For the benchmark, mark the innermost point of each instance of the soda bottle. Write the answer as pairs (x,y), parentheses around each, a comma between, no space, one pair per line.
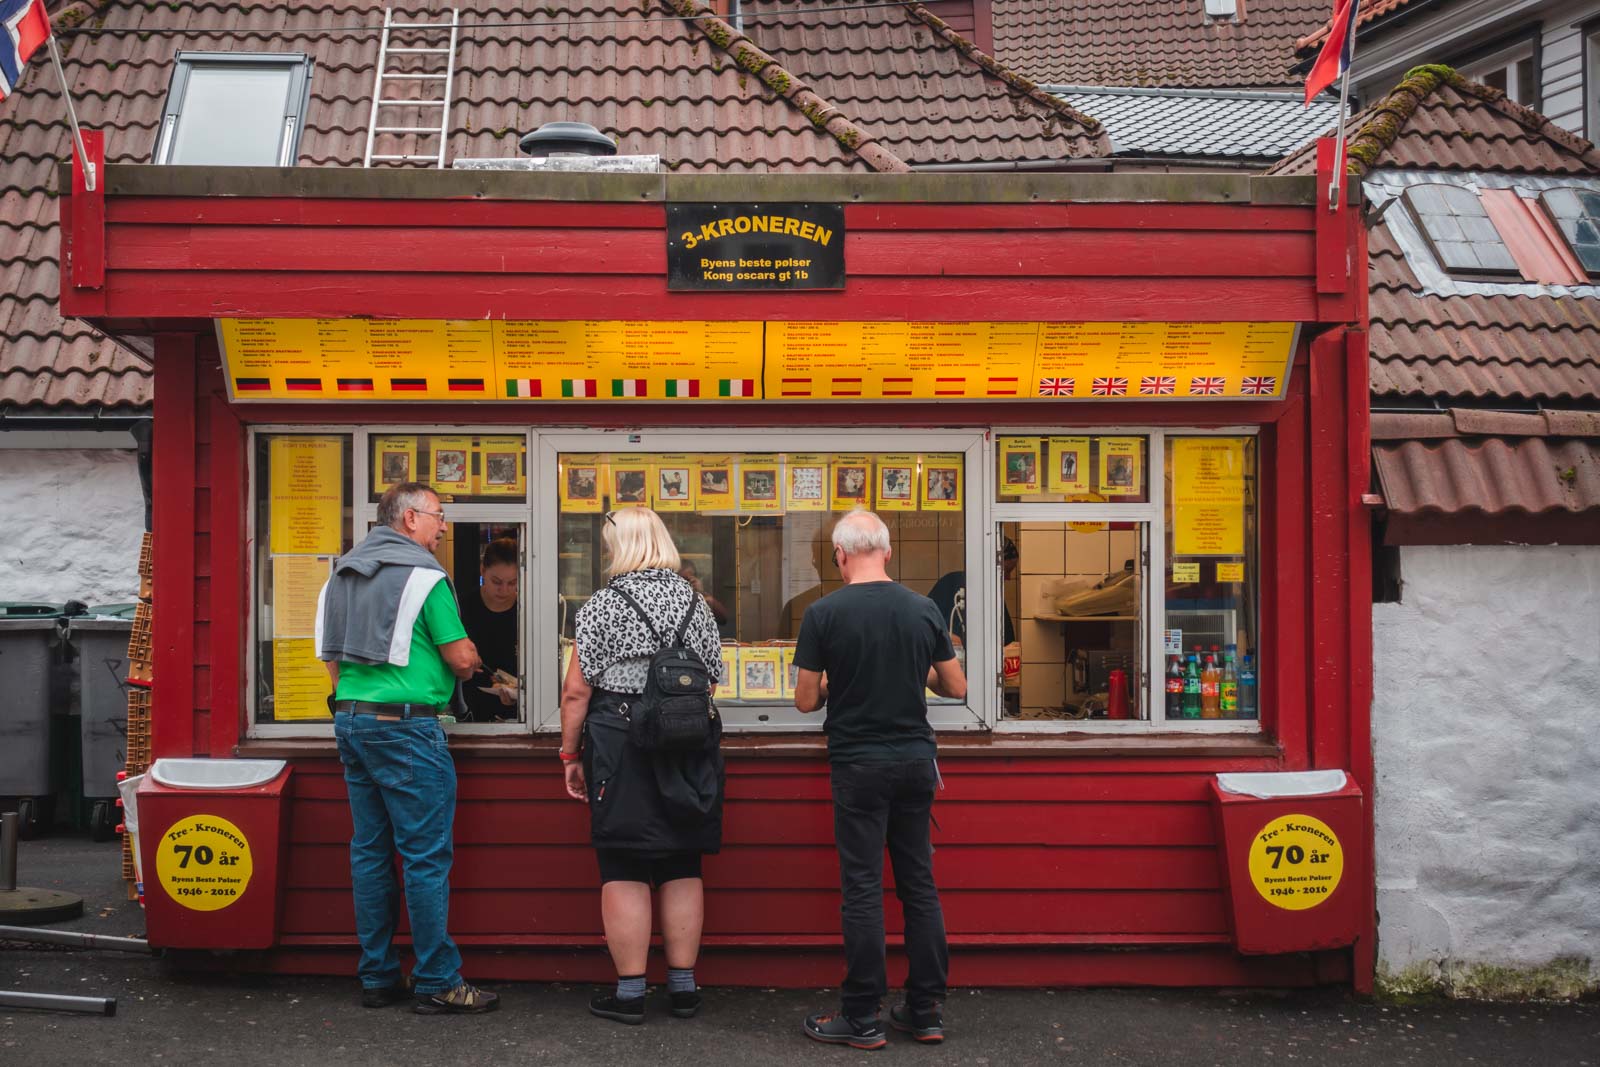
(1175,687)
(1210,689)
(1191,686)
(1247,690)
(1229,702)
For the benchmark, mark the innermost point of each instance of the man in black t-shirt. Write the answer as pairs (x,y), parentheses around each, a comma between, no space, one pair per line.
(868,652)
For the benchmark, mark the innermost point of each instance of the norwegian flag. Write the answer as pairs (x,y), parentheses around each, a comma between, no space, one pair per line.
(1157,386)
(1259,386)
(1057,386)
(1338,48)
(27,26)
(1109,387)
(1207,386)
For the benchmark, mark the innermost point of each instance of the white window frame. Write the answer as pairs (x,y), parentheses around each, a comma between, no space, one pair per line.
(1506,59)
(364,512)
(1153,593)
(978,712)
(297,64)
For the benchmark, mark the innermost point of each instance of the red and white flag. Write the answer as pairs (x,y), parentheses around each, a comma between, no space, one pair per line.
(1157,385)
(1207,386)
(1264,386)
(1109,387)
(1334,59)
(1056,386)
(27,26)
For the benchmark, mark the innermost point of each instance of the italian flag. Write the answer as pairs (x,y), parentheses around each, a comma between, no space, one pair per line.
(681,387)
(629,387)
(521,387)
(577,387)
(736,387)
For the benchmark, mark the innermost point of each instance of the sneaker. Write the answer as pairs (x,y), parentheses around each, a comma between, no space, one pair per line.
(925,1026)
(610,1006)
(837,1028)
(685,1005)
(384,995)
(464,999)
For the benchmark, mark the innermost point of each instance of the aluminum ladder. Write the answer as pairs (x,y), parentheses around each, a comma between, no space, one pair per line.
(387,52)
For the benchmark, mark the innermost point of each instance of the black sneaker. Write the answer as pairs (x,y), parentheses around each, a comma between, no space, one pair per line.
(837,1028)
(464,999)
(384,995)
(925,1026)
(684,1005)
(610,1006)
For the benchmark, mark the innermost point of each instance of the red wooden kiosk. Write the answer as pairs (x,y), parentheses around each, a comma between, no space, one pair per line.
(1069,851)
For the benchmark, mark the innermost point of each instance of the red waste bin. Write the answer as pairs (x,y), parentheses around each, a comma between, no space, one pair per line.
(1293,851)
(212,835)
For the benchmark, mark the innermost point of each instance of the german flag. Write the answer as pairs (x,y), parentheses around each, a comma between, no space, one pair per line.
(465,385)
(355,385)
(252,385)
(408,385)
(303,385)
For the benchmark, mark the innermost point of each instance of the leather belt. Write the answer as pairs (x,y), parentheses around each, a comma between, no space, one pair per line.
(399,711)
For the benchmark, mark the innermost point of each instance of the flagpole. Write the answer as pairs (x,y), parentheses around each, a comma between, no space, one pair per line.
(1344,97)
(72,115)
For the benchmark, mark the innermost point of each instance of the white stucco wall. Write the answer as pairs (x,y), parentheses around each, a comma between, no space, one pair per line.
(74,521)
(1486,730)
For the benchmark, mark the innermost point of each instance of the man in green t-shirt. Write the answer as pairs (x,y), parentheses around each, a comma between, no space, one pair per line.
(389,631)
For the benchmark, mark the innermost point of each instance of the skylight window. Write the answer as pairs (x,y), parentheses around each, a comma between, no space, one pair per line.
(1457,226)
(1221,9)
(1577,212)
(241,109)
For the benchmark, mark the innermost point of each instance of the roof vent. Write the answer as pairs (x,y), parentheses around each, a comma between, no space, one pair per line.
(571,139)
(1220,10)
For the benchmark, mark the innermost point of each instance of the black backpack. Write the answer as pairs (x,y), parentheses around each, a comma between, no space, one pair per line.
(676,712)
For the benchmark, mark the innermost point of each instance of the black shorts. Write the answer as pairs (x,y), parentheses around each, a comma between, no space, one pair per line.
(652,868)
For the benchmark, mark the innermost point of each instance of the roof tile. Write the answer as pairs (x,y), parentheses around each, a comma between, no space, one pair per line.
(1528,476)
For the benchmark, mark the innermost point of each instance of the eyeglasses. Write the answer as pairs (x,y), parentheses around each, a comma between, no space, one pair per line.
(433,514)
(610,518)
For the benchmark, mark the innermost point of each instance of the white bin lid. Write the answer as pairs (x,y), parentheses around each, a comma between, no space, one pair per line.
(1270,784)
(215,773)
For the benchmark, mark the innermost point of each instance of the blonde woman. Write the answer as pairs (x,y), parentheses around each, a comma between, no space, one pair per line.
(641,840)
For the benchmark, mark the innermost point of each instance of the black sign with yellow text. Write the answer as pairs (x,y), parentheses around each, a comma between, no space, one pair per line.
(737,247)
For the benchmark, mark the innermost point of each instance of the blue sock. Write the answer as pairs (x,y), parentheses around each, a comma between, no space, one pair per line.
(680,979)
(630,986)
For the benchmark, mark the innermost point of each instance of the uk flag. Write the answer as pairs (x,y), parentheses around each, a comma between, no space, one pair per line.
(1109,387)
(26,28)
(1057,386)
(1207,386)
(1259,386)
(1157,386)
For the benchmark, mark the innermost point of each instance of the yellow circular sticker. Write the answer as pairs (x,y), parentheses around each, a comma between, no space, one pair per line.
(1296,862)
(204,862)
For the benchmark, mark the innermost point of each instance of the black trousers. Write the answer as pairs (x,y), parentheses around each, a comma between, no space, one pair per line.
(878,804)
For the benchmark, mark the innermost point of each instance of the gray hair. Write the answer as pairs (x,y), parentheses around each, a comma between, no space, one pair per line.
(398,499)
(860,532)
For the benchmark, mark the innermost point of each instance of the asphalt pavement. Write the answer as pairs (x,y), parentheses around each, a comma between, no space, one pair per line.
(243,1020)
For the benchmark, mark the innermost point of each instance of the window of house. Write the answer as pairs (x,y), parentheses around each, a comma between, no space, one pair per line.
(1577,212)
(1223,10)
(1512,70)
(754,533)
(1458,228)
(1121,557)
(234,109)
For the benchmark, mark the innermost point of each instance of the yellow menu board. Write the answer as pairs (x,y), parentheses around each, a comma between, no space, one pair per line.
(940,483)
(674,479)
(474,359)
(1121,472)
(300,682)
(897,482)
(1019,465)
(307,495)
(579,483)
(1068,467)
(297,582)
(1208,475)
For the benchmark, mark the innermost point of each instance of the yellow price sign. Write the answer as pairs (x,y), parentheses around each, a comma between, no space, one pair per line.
(1296,862)
(203,862)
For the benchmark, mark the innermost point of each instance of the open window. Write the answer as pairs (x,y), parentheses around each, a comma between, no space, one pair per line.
(239,109)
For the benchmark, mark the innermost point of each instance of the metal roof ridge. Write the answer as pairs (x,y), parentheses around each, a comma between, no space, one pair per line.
(821,113)
(1289,96)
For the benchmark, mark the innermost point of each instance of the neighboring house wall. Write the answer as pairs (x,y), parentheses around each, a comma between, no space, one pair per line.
(1486,729)
(75,520)
(1562,57)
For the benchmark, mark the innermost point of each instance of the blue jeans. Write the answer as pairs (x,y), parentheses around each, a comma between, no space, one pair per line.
(402,786)
(878,804)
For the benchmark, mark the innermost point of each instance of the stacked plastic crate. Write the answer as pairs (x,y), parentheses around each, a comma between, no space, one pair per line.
(139,677)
